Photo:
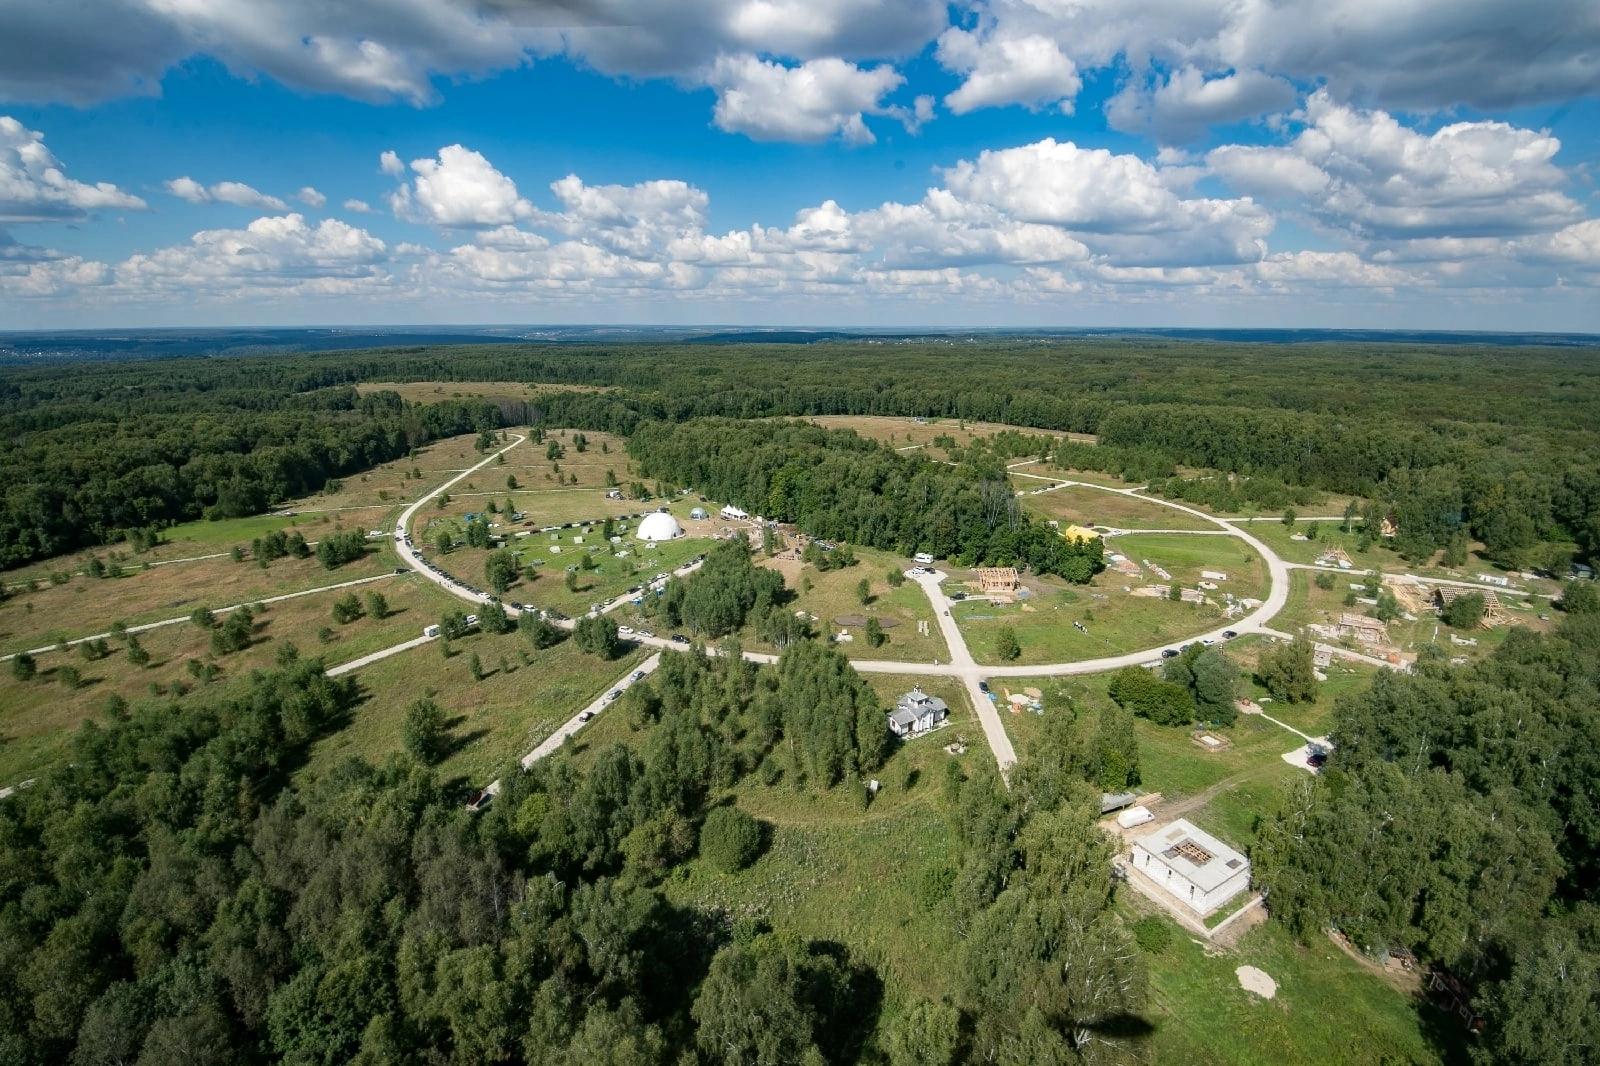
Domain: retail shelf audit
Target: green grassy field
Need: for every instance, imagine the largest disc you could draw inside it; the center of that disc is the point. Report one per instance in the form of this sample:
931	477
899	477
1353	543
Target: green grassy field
1185	556
1328	1008
1050	470
835	872
1116	623
497	719
903	432
87	605
1094	507
37	717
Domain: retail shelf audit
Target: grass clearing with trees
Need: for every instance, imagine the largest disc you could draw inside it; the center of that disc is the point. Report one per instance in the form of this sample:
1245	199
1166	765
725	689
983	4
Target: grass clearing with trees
831	594
86	605
492	721
38	716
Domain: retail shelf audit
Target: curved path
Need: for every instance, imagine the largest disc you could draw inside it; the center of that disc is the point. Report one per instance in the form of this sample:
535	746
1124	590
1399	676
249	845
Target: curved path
962	664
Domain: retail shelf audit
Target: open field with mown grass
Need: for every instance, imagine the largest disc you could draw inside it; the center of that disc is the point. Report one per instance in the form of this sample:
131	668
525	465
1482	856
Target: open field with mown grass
1038	475
1093	507
1116	623
1185	556
37	717
86	605
493	721
1380	556
438	391
612	574
902	432
363	501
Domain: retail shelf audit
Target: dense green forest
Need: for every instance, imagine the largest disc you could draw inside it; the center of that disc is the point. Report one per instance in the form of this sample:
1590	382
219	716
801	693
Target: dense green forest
87	465
169	895
1500	443
1458	817
840	486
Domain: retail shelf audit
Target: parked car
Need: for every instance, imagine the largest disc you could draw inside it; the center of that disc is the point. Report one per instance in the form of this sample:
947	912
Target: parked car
624	631
1229	634
983	686
1169	653
472	620
613	694
638	675
584	716
679	638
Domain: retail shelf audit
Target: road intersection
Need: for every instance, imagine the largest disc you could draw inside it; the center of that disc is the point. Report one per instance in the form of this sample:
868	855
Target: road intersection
962	666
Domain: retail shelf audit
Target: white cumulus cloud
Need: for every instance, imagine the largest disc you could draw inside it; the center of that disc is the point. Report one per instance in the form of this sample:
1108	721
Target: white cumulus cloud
1365	173
1000	68
236	193
1182	107
460	188
813	101
34	186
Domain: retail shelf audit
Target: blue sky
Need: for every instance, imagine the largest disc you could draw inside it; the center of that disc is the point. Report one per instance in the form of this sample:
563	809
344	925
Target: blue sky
828	162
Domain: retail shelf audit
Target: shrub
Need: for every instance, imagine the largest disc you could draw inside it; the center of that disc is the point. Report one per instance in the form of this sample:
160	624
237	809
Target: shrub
730	839
24	667
597	635
346	608
1006	646
1153	934
1465	611
426	736
1148	696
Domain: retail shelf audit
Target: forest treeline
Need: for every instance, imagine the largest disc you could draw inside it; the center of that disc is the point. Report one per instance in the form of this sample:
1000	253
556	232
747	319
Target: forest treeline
85	470
1457	817
172	893
837	485
1499	443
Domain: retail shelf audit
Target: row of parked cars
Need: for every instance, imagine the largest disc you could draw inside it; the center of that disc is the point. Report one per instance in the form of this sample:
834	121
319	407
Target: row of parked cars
1173	653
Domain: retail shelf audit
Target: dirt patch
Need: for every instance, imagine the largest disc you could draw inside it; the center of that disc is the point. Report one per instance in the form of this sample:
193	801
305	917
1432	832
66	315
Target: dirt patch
1256	982
790	569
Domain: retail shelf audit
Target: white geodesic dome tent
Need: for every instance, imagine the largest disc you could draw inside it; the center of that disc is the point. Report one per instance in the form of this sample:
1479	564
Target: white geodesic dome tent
658	527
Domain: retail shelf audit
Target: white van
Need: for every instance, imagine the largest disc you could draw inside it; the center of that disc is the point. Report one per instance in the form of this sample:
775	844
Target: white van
924	558
431	631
